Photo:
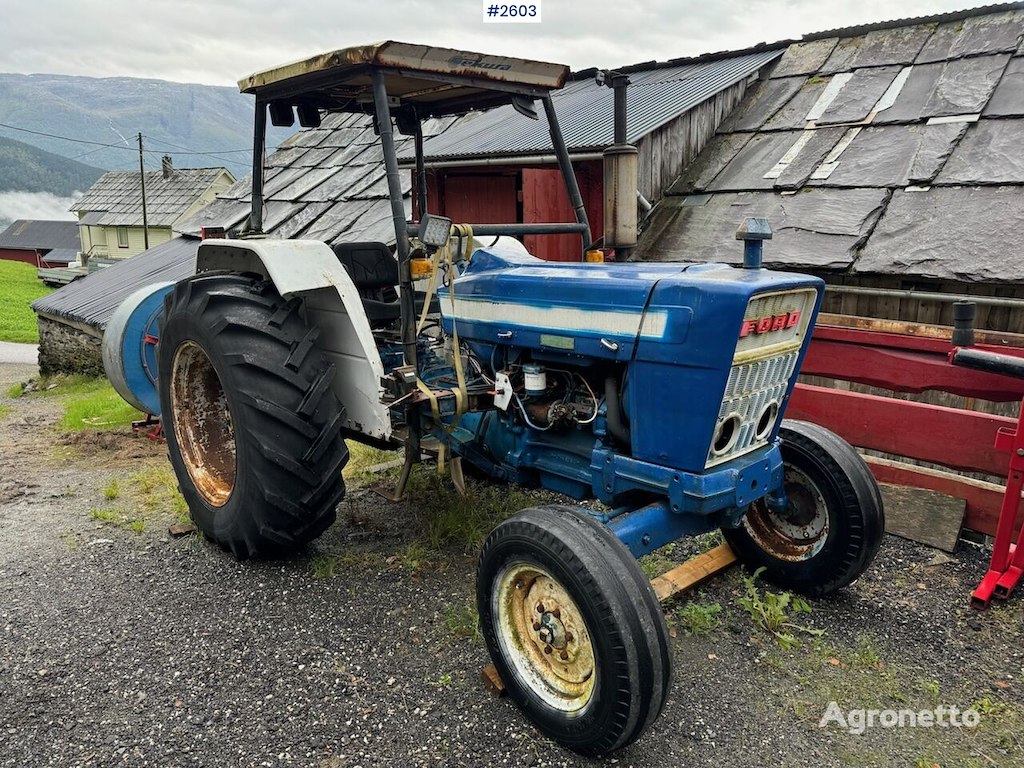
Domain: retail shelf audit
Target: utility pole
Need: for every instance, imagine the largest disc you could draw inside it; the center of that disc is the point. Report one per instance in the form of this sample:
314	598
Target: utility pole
142	180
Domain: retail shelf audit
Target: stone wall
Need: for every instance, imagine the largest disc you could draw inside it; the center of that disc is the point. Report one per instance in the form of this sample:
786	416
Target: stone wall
65	348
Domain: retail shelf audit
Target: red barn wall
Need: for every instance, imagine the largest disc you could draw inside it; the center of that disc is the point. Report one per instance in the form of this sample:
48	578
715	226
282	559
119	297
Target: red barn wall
17	254
545	199
515	194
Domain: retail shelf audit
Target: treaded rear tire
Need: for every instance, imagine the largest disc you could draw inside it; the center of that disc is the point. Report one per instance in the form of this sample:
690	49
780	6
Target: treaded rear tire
853	505
283	414
627	630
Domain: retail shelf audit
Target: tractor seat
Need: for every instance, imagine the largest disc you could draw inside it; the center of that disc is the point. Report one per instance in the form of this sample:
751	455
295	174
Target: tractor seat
374	271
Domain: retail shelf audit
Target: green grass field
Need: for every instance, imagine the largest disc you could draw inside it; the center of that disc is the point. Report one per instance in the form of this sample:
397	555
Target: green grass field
19	287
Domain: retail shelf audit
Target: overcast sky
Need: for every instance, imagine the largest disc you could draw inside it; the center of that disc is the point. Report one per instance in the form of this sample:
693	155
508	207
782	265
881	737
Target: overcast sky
218	41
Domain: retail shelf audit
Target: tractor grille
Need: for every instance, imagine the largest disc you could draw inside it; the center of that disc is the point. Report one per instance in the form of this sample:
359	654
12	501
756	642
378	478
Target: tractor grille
762	368
753	398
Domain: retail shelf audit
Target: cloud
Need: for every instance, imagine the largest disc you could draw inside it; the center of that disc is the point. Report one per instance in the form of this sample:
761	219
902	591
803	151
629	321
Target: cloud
219	42
34	205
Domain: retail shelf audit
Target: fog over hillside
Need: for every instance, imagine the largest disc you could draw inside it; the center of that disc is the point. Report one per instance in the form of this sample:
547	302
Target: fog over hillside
33	205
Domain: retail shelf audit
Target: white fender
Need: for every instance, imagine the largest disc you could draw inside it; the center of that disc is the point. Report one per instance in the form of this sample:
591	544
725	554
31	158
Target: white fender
309	268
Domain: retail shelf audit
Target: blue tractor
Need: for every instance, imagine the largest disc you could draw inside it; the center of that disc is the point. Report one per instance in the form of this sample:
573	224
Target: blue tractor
657	389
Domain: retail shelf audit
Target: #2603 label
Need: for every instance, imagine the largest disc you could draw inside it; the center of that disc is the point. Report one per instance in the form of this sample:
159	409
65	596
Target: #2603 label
511	13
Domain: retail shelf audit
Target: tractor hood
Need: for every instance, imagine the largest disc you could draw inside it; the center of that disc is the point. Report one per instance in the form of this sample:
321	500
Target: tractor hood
507	296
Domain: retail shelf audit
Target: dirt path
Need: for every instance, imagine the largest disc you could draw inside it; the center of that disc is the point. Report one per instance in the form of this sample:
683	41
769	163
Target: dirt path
18	354
124	648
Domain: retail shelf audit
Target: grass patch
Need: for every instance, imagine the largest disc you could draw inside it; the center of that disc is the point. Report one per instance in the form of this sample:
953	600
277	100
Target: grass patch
4	410
154	489
361	458
447	520
698	619
324	566
858	677
772	612
119	519
463	621
656	563
89	402
98	407
21	288
327	566
148	497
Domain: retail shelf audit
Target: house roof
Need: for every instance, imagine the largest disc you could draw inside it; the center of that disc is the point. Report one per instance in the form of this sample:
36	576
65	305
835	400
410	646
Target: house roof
117	195
325	183
657	94
40	235
92	299
892	149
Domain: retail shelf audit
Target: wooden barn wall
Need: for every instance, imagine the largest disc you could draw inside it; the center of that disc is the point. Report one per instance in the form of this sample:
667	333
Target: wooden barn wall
1006	319
16	254
545	199
665	152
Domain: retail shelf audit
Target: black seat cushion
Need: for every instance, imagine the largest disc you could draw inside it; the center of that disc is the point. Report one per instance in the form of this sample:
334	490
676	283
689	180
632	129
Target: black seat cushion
370	265
374	271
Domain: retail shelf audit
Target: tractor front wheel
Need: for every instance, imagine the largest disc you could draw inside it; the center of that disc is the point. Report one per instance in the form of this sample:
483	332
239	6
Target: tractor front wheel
574	628
832	525
253	426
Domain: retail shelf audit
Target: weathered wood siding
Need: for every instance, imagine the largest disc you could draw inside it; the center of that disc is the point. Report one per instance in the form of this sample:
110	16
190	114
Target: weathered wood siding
665	152
1006	319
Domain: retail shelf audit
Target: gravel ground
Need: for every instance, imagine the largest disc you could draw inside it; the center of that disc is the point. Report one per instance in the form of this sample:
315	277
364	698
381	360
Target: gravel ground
119	648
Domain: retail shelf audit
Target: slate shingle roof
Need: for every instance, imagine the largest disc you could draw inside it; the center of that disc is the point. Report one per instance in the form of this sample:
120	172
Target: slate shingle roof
326	184
889	151
117	196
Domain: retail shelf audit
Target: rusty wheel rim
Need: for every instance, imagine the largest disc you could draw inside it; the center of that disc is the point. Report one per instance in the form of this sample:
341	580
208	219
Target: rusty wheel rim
542	634
798	533
202	424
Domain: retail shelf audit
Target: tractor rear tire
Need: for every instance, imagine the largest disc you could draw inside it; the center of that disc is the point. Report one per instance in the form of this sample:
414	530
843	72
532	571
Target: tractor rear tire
574	628
833	526
253	425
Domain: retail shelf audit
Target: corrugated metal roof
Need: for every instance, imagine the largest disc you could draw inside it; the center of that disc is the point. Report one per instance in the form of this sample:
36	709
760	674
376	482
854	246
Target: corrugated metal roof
61	255
38	234
118	195
585	109
93	298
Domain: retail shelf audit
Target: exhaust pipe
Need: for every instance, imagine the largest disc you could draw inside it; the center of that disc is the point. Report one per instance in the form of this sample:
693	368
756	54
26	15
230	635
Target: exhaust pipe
620	178
753	232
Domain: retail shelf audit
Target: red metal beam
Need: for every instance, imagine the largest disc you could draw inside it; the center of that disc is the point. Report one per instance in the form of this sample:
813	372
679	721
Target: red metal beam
902	370
948	436
901	341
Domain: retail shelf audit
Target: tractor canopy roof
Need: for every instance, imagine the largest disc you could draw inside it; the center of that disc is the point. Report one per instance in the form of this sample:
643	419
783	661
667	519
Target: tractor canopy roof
436	81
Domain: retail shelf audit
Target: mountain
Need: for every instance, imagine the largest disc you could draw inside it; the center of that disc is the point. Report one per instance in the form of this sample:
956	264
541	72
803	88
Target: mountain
175	119
24	168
